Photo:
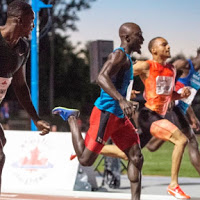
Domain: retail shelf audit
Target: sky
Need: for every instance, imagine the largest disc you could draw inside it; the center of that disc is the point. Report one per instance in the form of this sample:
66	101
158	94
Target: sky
178	21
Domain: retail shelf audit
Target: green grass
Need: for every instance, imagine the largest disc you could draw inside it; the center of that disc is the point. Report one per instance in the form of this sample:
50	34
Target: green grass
159	162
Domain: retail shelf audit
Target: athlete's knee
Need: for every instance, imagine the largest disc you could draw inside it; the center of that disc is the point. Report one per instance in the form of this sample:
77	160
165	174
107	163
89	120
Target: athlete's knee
178	138
135	167
183	140
192	140
137	159
86	161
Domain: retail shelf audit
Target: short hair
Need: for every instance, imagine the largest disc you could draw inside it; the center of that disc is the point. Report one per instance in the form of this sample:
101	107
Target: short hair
151	43
17	8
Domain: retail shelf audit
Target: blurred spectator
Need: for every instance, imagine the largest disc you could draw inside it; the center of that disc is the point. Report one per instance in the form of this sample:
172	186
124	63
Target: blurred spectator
4	113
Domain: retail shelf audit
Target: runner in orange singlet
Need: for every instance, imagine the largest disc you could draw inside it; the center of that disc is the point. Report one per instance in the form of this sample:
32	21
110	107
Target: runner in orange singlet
159	79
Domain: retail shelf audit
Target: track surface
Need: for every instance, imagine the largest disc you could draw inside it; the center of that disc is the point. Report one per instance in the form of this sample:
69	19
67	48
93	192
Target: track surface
6	196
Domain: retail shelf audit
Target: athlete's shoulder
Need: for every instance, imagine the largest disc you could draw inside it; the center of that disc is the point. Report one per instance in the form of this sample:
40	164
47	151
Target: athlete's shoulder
142	63
150	62
140	67
180	64
118	55
119	52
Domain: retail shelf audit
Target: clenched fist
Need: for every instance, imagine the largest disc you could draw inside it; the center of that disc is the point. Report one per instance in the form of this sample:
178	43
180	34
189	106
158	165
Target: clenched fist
185	93
43	126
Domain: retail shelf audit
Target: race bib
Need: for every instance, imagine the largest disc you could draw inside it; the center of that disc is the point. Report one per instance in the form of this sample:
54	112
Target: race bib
4	84
164	85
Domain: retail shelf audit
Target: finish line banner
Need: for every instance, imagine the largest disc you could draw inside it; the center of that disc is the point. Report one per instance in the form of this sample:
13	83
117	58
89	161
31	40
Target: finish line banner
37	163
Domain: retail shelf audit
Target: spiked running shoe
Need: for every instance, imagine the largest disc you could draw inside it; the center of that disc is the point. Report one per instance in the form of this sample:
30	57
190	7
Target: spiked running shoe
177	192
65	113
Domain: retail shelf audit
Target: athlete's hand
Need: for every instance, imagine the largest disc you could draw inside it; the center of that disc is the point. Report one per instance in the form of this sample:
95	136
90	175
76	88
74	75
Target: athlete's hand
185	93
127	107
134	94
195	124
43	126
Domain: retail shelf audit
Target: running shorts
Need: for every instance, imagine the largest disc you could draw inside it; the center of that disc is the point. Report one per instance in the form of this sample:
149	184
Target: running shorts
105	125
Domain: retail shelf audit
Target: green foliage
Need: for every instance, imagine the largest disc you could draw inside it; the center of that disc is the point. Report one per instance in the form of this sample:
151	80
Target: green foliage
65	13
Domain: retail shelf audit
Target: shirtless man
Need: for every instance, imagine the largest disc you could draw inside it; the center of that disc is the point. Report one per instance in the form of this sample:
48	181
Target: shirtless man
109	117
14	52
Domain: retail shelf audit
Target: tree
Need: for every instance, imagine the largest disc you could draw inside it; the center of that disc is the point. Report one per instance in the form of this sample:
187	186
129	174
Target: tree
68	74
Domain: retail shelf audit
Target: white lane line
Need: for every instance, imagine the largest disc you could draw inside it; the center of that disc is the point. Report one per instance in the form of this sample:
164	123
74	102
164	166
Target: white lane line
103	195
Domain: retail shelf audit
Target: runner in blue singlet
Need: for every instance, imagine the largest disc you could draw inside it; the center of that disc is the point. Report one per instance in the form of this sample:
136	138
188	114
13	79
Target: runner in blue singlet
109	117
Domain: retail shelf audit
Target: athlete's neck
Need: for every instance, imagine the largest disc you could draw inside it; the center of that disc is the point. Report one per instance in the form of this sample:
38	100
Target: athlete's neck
126	49
9	35
159	60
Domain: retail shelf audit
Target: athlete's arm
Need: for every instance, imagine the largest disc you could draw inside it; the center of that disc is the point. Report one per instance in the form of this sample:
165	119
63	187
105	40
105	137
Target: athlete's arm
23	95
180	64
141	68
193	119
111	69
185	93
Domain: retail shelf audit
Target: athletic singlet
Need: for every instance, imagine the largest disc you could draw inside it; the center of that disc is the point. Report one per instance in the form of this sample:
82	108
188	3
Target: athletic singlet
105	101
11	59
4	84
192	80
159	87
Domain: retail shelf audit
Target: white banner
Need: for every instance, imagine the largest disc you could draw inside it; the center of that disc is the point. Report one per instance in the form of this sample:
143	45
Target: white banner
37	163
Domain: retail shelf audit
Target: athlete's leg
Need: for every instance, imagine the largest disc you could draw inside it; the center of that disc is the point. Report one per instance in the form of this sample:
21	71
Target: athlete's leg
135	163
2	155
113	151
164	129
84	155
193	148
181	121
127	139
180	142
154	144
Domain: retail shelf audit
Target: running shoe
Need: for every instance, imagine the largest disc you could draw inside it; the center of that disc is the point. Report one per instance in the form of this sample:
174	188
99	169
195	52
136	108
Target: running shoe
177	192
65	113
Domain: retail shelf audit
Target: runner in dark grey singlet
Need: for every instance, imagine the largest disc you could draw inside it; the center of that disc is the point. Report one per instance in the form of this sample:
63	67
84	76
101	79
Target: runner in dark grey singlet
14	52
